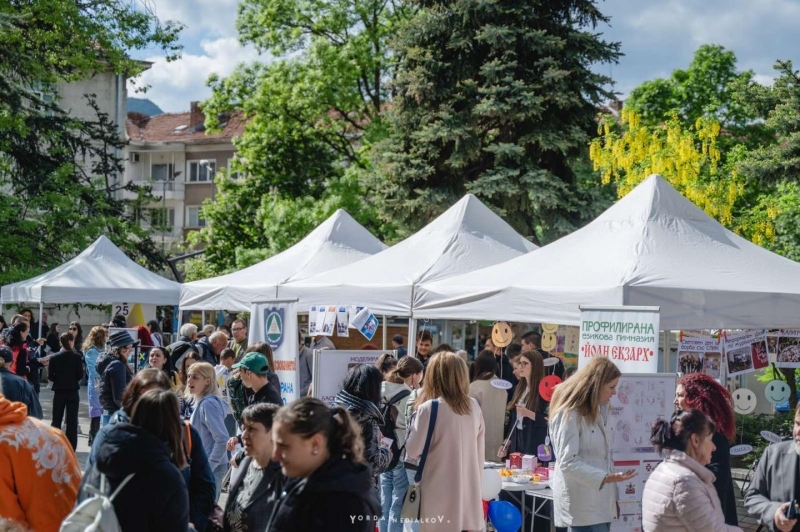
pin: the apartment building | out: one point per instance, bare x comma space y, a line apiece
173, 154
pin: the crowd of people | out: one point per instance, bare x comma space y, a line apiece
204, 415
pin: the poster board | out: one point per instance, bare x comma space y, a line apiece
641, 399
331, 367
275, 322
628, 336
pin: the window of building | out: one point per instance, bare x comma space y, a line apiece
162, 219
231, 173
201, 172
194, 217
162, 172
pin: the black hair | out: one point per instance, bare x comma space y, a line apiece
424, 336
263, 413
227, 353
65, 340
513, 350
533, 337
154, 328
484, 364
364, 381
676, 433
156, 411
309, 416
119, 321
398, 339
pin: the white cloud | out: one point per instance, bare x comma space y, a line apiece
173, 85
202, 18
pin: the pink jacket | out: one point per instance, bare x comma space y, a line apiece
679, 496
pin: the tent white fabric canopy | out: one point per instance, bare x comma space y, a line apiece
101, 274
338, 241
466, 237
652, 248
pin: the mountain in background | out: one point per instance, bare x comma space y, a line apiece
142, 106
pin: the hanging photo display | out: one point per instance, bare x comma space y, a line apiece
746, 352
787, 348
342, 322
700, 355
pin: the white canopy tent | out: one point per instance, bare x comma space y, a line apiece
652, 248
101, 274
466, 237
338, 241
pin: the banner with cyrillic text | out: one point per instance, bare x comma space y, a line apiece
276, 324
629, 337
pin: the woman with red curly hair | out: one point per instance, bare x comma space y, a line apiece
700, 392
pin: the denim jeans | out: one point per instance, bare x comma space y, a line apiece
600, 527
219, 476
394, 485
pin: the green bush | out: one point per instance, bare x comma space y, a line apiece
749, 427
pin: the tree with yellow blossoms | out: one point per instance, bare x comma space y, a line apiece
627, 151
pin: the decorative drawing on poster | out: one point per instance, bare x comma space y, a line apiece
313, 311
342, 321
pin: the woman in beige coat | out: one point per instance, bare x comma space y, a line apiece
492, 401
680, 495
453, 475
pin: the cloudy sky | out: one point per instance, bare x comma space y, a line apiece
657, 37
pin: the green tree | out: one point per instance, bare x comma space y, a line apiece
497, 99
708, 88
58, 173
312, 116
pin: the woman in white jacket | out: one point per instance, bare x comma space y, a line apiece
584, 495
680, 495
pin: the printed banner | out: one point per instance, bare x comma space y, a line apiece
331, 367
342, 322
365, 322
276, 323
787, 350
313, 311
700, 355
746, 352
628, 337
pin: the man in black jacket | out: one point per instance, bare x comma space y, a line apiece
16, 388
66, 372
253, 369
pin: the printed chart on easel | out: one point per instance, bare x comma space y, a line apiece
641, 399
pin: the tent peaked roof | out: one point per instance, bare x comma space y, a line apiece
653, 247
466, 237
339, 240
102, 273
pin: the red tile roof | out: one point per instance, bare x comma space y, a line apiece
168, 128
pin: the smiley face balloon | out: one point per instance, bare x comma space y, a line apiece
547, 386
549, 338
777, 391
744, 401
502, 335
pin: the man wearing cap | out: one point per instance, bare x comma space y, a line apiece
16, 388
253, 369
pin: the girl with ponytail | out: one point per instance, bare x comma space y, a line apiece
680, 496
321, 448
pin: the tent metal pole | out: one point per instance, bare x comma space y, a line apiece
412, 337
385, 334
41, 312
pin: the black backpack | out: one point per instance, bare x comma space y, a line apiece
389, 414
175, 351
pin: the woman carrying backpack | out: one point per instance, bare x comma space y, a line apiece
360, 397
395, 392
147, 454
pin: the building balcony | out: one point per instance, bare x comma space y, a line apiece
170, 190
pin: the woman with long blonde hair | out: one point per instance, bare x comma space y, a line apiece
583, 483
454, 465
94, 344
208, 417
